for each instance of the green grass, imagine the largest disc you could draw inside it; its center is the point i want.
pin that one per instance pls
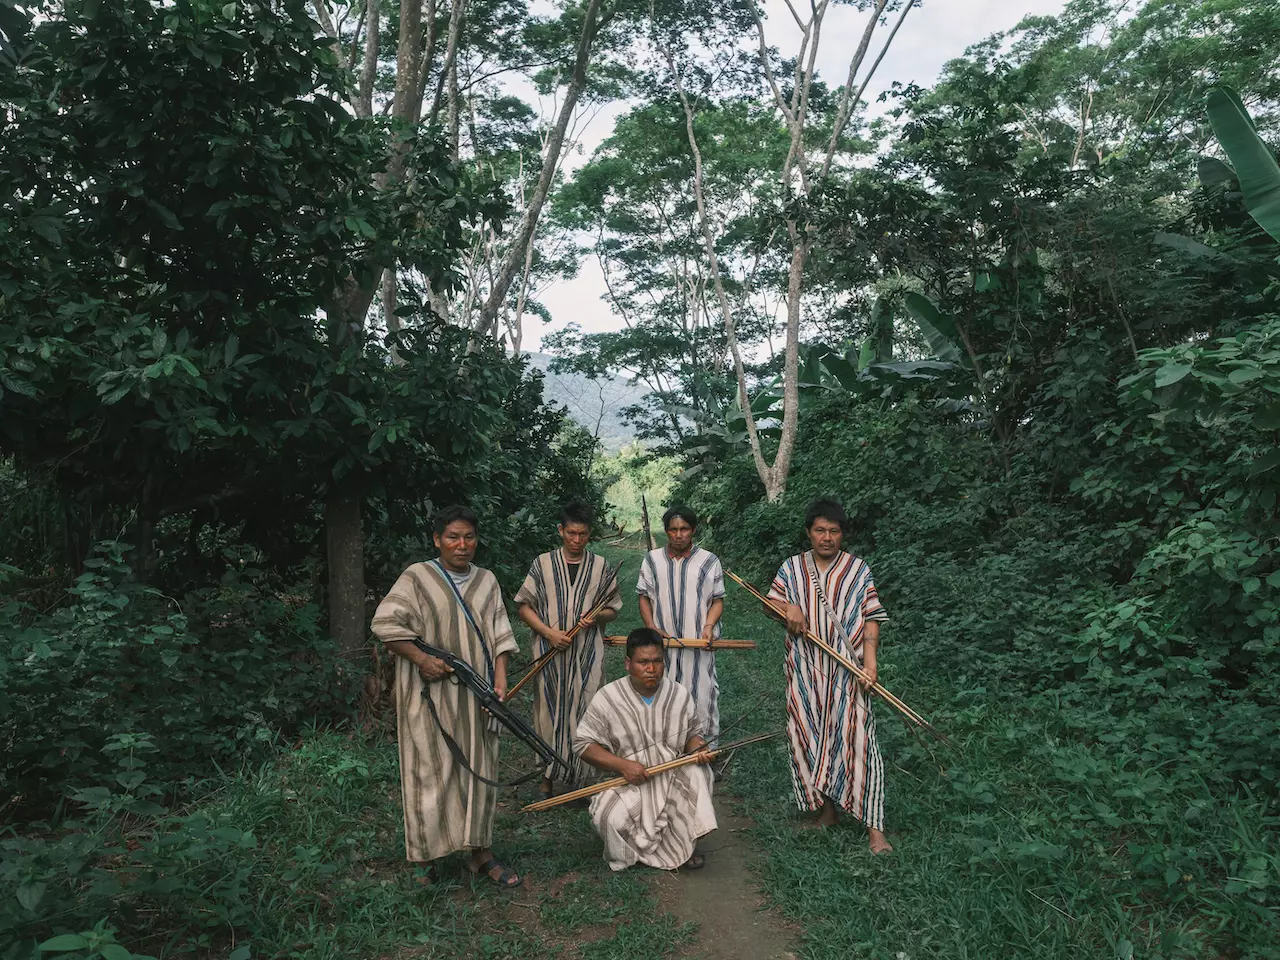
(1015, 843)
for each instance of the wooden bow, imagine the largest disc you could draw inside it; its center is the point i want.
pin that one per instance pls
(913, 719)
(684, 761)
(691, 642)
(545, 659)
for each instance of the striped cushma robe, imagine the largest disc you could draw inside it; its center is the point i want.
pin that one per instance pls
(657, 822)
(830, 726)
(566, 685)
(681, 592)
(446, 809)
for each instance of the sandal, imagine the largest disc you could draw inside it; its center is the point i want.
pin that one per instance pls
(503, 879)
(696, 861)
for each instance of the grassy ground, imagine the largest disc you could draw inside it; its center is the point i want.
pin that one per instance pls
(1011, 845)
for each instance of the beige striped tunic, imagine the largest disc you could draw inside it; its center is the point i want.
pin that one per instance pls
(566, 685)
(657, 822)
(446, 809)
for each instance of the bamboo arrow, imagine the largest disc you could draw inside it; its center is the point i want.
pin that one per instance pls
(545, 659)
(691, 643)
(778, 610)
(684, 761)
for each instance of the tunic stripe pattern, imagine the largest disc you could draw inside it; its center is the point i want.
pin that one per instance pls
(566, 685)
(830, 725)
(681, 591)
(446, 809)
(657, 822)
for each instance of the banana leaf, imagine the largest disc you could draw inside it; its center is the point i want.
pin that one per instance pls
(1255, 165)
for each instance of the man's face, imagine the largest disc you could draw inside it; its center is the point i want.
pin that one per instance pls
(826, 537)
(457, 545)
(574, 536)
(645, 667)
(679, 536)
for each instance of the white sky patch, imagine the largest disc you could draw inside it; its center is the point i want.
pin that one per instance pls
(938, 31)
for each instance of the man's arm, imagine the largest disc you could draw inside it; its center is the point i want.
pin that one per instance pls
(500, 675)
(602, 759)
(870, 647)
(646, 613)
(714, 612)
(557, 638)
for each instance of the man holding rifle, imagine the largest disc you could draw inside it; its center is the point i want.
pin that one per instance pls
(561, 591)
(448, 743)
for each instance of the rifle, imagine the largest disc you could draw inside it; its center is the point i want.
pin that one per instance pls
(644, 515)
(465, 674)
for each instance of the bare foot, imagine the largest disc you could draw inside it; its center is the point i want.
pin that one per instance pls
(879, 842)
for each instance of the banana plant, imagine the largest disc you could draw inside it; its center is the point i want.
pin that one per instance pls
(1255, 165)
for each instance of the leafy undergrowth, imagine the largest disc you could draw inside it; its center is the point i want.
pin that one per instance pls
(1021, 841)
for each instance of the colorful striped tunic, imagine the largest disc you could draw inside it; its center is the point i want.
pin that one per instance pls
(566, 685)
(681, 591)
(830, 726)
(446, 809)
(657, 822)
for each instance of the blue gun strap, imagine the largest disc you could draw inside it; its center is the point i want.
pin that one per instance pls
(484, 645)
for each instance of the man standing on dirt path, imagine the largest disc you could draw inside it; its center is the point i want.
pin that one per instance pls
(456, 606)
(681, 589)
(562, 587)
(638, 722)
(835, 759)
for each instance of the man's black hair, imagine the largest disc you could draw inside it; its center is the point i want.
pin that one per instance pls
(448, 515)
(679, 511)
(577, 511)
(824, 508)
(642, 637)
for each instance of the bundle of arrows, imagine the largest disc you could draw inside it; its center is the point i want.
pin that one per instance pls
(692, 643)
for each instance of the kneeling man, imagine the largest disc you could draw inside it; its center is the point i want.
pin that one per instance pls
(638, 722)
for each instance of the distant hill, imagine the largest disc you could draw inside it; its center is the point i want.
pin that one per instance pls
(593, 401)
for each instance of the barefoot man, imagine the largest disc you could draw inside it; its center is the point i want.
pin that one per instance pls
(636, 722)
(452, 604)
(835, 759)
(561, 588)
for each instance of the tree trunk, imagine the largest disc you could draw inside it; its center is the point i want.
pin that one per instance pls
(592, 24)
(344, 543)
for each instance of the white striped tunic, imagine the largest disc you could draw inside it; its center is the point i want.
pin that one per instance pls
(566, 685)
(681, 591)
(830, 725)
(446, 809)
(657, 822)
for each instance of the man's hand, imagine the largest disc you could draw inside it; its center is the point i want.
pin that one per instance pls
(705, 756)
(795, 620)
(708, 634)
(869, 669)
(587, 622)
(433, 668)
(500, 687)
(633, 771)
(558, 639)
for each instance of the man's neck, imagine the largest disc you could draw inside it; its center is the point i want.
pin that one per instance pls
(824, 563)
(571, 558)
(679, 554)
(452, 569)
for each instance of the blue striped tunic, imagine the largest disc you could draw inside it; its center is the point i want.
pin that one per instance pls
(830, 726)
(681, 591)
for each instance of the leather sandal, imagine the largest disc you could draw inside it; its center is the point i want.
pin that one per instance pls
(503, 879)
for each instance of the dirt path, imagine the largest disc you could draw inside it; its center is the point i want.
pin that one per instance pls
(723, 900)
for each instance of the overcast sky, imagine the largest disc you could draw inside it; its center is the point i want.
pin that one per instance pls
(932, 34)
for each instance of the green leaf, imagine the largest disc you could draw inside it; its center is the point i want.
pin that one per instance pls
(867, 354)
(1274, 579)
(1265, 463)
(1255, 165)
(232, 345)
(63, 943)
(1213, 171)
(1171, 373)
(30, 894)
(1268, 417)
(229, 11)
(1251, 585)
(113, 951)
(938, 328)
(46, 227)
